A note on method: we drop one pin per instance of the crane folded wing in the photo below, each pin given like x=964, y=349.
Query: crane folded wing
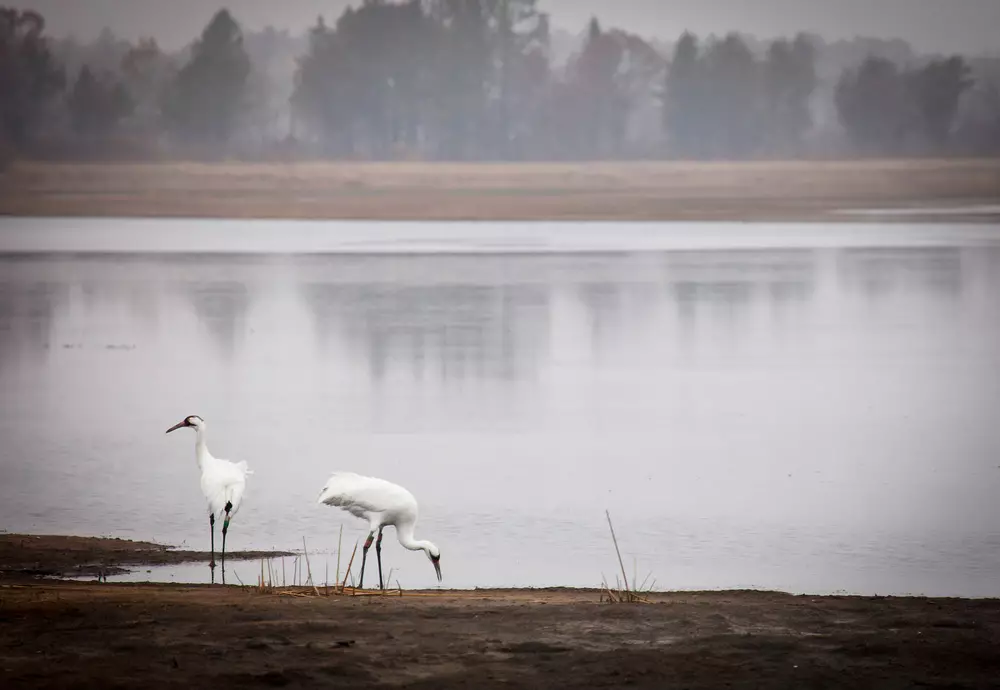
x=359, y=494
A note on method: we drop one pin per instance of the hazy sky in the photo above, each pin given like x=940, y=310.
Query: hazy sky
x=932, y=25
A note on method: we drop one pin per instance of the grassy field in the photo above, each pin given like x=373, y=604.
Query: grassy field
x=445, y=191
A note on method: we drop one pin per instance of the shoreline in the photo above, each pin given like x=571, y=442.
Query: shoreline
x=59, y=559
x=164, y=635
x=913, y=191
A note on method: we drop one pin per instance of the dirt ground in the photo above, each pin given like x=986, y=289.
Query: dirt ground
x=62, y=635
x=93, y=635
x=544, y=191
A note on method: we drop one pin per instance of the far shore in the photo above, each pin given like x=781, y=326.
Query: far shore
x=919, y=190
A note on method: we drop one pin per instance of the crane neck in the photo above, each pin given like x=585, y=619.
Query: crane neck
x=201, y=449
x=405, y=535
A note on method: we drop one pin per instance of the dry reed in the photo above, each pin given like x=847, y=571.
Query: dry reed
x=303, y=584
x=622, y=593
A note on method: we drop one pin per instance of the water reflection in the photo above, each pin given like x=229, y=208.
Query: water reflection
x=880, y=272
x=710, y=399
x=454, y=332
x=729, y=285
x=785, y=292
x=221, y=307
x=619, y=314
x=27, y=311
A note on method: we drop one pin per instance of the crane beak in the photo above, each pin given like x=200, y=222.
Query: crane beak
x=437, y=568
x=178, y=425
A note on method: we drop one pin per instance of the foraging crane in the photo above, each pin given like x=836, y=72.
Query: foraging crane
x=381, y=503
x=222, y=482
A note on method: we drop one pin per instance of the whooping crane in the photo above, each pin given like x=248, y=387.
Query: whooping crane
x=381, y=503
x=222, y=482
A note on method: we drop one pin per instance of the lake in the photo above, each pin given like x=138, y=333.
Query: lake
x=811, y=408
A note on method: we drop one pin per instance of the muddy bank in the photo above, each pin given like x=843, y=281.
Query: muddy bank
x=58, y=634
x=747, y=191
x=68, y=634
x=66, y=556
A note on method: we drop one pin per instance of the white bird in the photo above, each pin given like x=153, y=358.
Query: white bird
x=381, y=503
x=222, y=482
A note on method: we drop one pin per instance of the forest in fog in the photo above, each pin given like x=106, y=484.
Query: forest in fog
x=482, y=80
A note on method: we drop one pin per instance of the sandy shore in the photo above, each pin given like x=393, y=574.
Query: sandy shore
x=62, y=634
x=777, y=191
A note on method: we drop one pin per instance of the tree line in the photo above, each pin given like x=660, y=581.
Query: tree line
x=477, y=80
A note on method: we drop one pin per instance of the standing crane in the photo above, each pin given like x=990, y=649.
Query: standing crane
x=381, y=503
x=222, y=482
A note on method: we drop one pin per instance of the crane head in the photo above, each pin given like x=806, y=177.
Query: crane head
x=193, y=420
x=435, y=556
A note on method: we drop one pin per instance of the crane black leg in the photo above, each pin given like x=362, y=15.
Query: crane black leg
x=378, y=556
x=225, y=528
x=211, y=524
x=364, y=557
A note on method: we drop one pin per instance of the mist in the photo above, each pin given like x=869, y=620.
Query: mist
x=518, y=81
x=930, y=25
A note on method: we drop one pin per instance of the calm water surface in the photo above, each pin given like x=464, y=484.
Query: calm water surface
x=807, y=408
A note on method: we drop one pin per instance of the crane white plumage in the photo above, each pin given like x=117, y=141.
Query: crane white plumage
x=223, y=482
x=381, y=503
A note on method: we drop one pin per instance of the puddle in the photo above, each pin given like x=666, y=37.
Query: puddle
x=237, y=572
